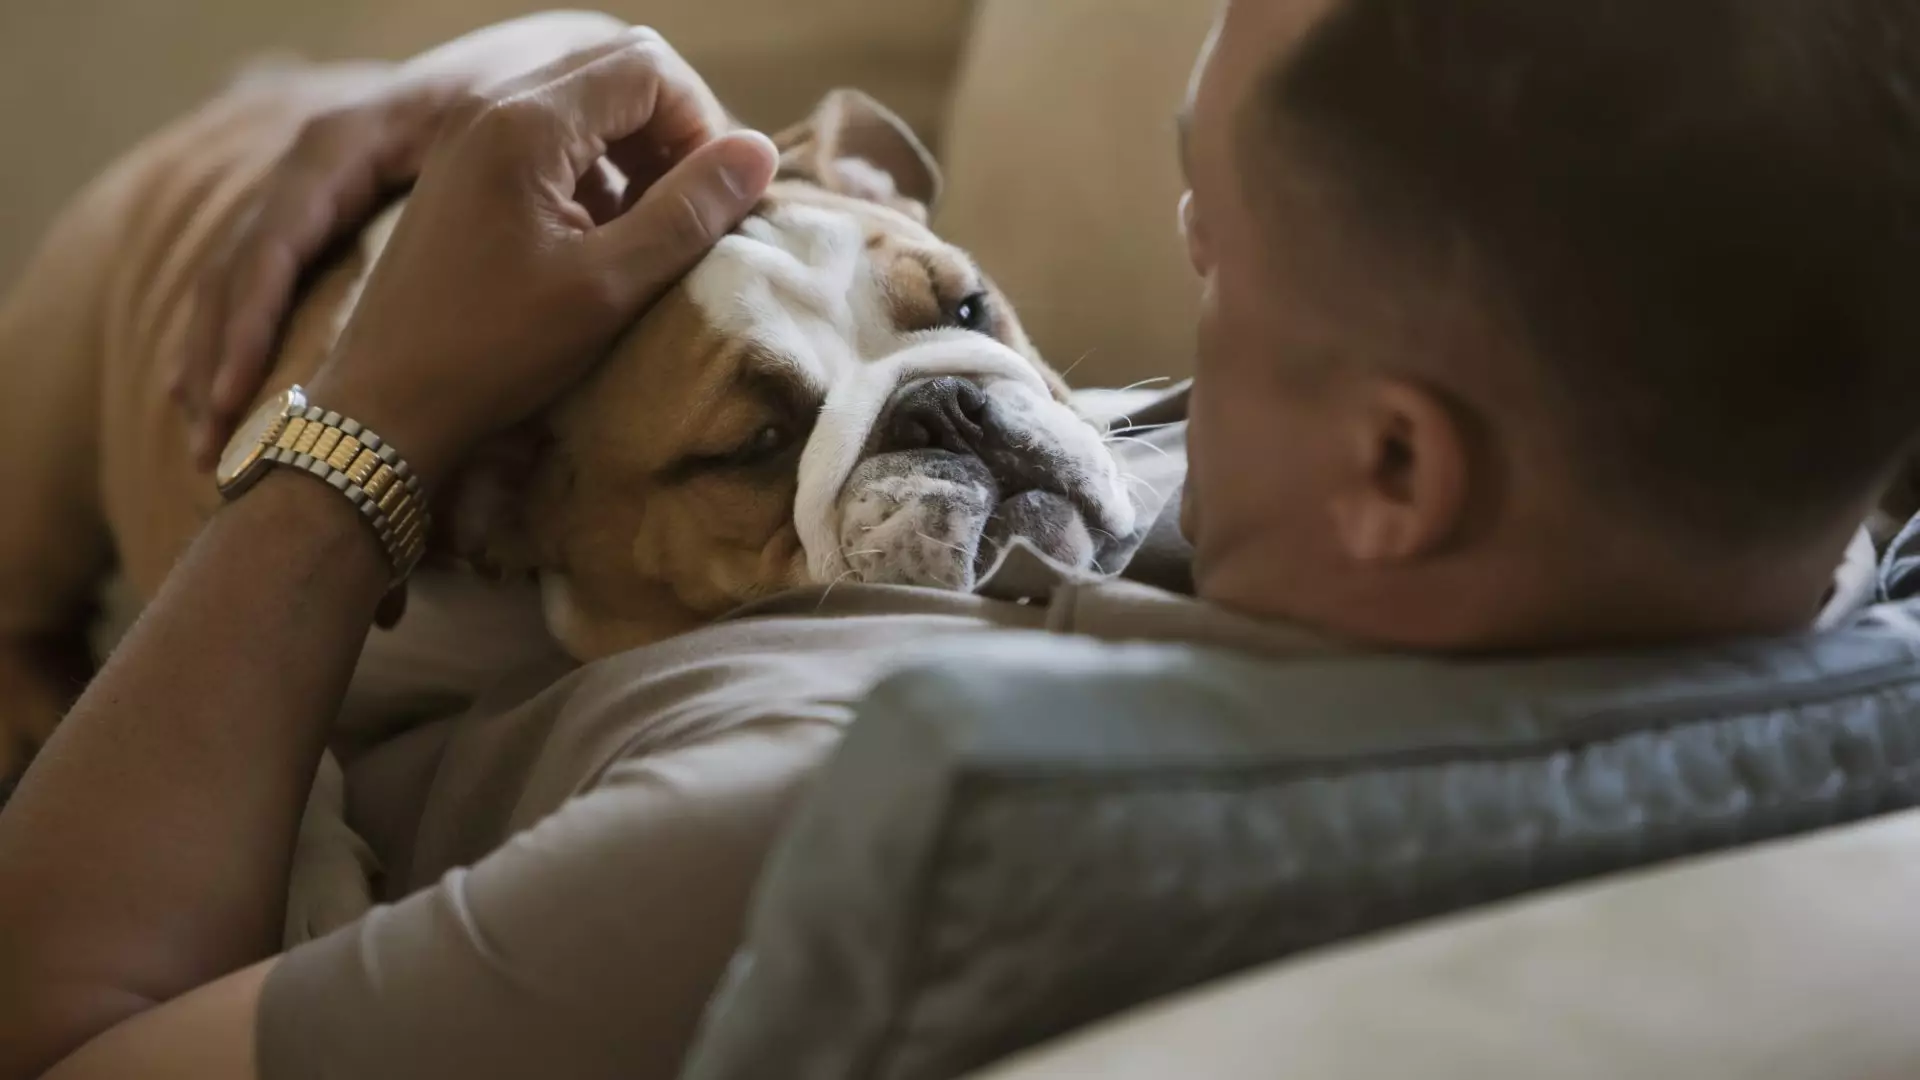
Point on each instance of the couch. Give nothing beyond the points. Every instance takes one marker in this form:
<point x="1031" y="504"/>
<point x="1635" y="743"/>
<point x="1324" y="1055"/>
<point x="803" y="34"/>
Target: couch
<point x="1787" y="947"/>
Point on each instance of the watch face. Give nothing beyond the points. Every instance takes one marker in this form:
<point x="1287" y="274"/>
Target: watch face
<point x="243" y="450"/>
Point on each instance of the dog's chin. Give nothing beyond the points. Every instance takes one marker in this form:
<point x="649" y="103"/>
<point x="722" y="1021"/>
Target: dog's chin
<point x="939" y="520"/>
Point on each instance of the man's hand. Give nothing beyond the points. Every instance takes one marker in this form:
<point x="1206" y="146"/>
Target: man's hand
<point x="516" y="263"/>
<point x="329" y="181"/>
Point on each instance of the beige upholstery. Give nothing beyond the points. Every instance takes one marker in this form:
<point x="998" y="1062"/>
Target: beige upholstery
<point x="1060" y="153"/>
<point x="1797" y="959"/>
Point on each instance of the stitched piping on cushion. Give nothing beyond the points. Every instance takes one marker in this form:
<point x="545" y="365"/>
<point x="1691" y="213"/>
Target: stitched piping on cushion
<point x="1525" y="839"/>
<point x="1892" y="777"/>
<point x="1601" y="726"/>
<point x="1022" y="788"/>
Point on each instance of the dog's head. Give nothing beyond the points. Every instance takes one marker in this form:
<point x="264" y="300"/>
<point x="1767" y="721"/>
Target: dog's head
<point x="835" y="394"/>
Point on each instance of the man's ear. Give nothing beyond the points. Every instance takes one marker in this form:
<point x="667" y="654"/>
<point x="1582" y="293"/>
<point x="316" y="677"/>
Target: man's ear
<point x="1411" y="461"/>
<point x="853" y="145"/>
<point x="480" y="517"/>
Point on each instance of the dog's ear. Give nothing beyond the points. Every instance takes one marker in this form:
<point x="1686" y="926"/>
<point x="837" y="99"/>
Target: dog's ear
<point x="480" y="518"/>
<point x="853" y="145"/>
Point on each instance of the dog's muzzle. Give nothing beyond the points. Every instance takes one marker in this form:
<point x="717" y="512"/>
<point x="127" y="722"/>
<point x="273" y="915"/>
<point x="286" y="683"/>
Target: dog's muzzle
<point x="922" y="470"/>
<point x="983" y="463"/>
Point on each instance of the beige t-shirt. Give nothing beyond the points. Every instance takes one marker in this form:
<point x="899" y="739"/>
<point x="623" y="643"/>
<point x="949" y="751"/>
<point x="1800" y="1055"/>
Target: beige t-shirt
<point x="572" y="869"/>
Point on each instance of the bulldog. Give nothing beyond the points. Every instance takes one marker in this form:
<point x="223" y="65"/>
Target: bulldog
<point x="834" y="394"/>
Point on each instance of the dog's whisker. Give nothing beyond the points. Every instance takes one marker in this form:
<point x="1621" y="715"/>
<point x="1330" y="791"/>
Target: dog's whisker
<point x="1130" y="429"/>
<point x="1129" y="439"/>
<point x="1144" y="383"/>
<point x="836" y="581"/>
<point x="1132" y="479"/>
<point x="1077" y="363"/>
<point x="942" y="543"/>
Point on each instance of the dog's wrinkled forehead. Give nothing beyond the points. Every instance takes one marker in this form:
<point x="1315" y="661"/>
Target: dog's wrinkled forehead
<point x="800" y="282"/>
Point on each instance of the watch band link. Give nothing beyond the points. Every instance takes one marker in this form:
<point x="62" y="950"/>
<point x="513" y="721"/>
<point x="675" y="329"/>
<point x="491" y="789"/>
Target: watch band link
<point x="358" y="464"/>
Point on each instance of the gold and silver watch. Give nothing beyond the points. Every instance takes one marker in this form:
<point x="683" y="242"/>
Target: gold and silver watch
<point x="288" y="430"/>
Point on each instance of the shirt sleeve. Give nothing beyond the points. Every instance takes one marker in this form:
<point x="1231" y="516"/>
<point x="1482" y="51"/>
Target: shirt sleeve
<point x="585" y="947"/>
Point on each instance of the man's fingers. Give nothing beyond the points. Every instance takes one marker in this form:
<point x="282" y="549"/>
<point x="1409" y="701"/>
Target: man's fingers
<point x="333" y="180"/>
<point x="191" y="382"/>
<point x="601" y="191"/>
<point x="677" y="221"/>
<point x="573" y="61"/>
<point x="260" y="292"/>
<point x="647" y="104"/>
<point x="635" y="101"/>
<point x="293" y="229"/>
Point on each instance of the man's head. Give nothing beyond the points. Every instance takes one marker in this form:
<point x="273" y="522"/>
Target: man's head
<point x="834" y="394"/>
<point x="1532" y="324"/>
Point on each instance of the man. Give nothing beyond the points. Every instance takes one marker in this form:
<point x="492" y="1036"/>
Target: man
<point x="1546" y="328"/>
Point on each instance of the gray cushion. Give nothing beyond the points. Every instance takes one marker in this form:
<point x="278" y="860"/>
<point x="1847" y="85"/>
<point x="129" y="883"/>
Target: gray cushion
<point x="1034" y="833"/>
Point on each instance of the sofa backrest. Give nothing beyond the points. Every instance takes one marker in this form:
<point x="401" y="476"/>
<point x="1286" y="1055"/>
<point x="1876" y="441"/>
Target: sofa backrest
<point x="1026" y="835"/>
<point x="1062" y="177"/>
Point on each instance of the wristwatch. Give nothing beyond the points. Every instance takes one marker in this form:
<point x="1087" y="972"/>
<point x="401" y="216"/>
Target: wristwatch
<point x="289" y="430"/>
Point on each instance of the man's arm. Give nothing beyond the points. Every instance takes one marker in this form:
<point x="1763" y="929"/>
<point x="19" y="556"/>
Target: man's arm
<point x="146" y="852"/>
<point x="209" y="719"/>
<point x="206" y="1034"/>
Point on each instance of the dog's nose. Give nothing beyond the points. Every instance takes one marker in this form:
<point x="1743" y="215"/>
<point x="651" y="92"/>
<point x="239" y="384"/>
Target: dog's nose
<point x="946" y="413"/>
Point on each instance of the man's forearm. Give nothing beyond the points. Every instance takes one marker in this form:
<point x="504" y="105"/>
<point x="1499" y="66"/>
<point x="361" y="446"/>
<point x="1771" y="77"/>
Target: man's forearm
<point x="147" y="850"/>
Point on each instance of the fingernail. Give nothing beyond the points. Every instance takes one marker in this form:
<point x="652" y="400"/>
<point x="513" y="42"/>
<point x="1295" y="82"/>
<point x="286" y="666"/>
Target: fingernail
<point x="748" y="172"/>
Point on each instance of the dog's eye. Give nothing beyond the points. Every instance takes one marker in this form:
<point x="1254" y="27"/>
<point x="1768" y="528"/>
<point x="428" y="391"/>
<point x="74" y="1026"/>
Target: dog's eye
<point x="975" y="313"/>
<point x="768" y="442"/>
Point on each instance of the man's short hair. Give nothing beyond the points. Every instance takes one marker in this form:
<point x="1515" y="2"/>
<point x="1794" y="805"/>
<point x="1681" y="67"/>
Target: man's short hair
<point x="1704" y="216"/>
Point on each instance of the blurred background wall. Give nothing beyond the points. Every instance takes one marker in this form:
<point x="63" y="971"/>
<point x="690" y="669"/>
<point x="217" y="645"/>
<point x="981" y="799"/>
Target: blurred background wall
<point x="81" y="80"/>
